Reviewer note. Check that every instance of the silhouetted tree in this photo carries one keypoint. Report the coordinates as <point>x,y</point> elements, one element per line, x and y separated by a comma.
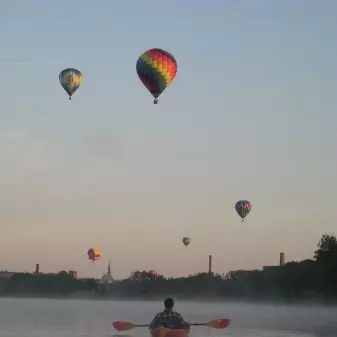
<point>327,248</point>
<point>326,258</point>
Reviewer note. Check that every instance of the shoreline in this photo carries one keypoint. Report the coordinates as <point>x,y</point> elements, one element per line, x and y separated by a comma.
<point>96,297</point>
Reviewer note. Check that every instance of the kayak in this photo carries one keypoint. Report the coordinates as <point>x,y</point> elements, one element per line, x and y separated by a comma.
<point>169,332</point>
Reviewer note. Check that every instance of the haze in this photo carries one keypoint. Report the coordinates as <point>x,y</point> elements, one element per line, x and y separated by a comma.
<point>250,115</point>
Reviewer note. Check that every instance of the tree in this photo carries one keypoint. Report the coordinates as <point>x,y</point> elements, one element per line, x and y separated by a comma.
<point>327,248</point>
<point>326,258</point>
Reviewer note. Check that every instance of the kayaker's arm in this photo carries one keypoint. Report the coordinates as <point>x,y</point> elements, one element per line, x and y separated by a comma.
<point>154,322</point>
<point>182,322</point>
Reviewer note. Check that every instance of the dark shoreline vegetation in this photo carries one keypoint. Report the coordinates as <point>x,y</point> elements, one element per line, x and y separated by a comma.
<point>308,280</point>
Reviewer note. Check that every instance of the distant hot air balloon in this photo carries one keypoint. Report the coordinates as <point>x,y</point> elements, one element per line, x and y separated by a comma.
<point>186,241</point>
<point>94,254</point>
<point>152,275</point>
<point>70,80</point>
<point>156,68</point>
<point>243,208</point>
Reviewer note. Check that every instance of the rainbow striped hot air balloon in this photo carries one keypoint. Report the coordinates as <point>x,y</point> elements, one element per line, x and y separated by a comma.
<point>156,68</point>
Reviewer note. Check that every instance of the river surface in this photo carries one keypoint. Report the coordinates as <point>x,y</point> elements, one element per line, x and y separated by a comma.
<point>74,318</point>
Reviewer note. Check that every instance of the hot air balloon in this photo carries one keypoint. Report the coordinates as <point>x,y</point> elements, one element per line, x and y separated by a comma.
<point>94,254</point>
<point>186,241</point>
<point>153,275</point>
<point>156,68</point>
<point>70,80</point>
<point>243,208</point>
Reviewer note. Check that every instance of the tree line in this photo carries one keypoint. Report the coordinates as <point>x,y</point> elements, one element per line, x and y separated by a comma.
<point>314,278</point>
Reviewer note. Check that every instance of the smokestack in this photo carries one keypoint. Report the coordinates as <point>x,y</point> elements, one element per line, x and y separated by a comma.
<point>37,268</point>
<point>282,259</point>
<point>209,264</point>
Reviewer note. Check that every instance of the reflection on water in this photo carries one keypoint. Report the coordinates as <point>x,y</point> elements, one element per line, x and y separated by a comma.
<point>75,318</point>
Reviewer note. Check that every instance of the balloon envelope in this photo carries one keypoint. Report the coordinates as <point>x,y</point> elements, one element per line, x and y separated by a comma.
<point>70,79</point>
<point>156,68</point>
<point>186,241</point>
<point>243,208</point>
<point>94,254</point>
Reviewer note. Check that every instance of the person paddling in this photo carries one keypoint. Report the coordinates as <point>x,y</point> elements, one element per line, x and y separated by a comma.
<point>169,318</point>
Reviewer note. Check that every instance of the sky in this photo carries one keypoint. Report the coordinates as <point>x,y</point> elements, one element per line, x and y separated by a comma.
<point>251,114</point>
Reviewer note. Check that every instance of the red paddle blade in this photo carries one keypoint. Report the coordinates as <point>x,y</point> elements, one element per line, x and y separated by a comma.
<point>219,323</point>
<point>122,325</point>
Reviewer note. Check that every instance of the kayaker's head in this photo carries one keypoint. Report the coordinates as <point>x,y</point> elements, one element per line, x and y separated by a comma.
<point>169,304</point>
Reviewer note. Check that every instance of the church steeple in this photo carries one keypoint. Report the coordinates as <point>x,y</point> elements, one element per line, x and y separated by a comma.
<point>109,269</point>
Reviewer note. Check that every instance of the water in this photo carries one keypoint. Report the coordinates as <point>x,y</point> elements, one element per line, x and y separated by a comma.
<point>75,318</point>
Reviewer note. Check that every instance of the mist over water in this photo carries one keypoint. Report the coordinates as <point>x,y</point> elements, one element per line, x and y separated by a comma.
<point>73,317</point>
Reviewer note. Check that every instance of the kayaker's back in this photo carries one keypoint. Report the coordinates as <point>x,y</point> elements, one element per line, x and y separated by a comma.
<point>173,323</point>
<point>168,319</point>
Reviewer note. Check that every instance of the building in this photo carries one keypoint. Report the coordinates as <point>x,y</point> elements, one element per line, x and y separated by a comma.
<point>105,282</point>
<point>282,259</point>
<point>210,264</point>
<point>37,269</point>
<point>107,278</point>
<point>281,263</point>
<point>5,276</point>
<point>73,274</point>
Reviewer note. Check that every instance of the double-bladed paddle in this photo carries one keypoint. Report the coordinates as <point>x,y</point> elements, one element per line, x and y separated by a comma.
<point>215,324</point>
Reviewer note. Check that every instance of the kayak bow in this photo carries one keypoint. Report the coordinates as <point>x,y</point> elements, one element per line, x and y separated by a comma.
<point>164,332</point>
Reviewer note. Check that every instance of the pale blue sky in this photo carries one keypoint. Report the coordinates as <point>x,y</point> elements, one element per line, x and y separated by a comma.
<point>251,114</point>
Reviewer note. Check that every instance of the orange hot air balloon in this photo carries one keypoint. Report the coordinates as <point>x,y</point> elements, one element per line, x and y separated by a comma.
<point>94,254</point>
